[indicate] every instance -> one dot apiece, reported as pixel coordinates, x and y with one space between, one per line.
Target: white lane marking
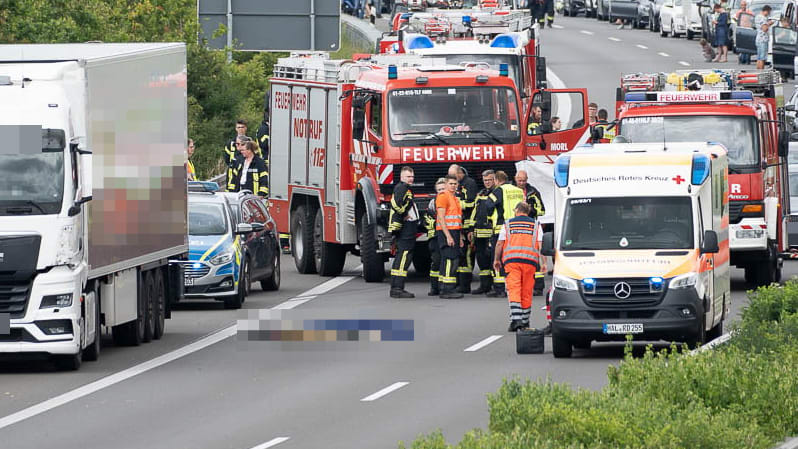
271 443
564 109
141 368
684 63
589 33
384 391
559 27
482 344
641 46
663 54
614 39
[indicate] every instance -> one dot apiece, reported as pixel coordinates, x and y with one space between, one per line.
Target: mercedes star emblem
622 290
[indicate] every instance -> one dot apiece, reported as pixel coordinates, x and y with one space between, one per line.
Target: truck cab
640 244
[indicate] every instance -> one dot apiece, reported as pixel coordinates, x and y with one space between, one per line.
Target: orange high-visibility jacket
454 213
520 242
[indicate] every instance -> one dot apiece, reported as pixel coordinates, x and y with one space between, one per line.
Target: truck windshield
206 219
736 133
512 62
453 115
628 223
31 183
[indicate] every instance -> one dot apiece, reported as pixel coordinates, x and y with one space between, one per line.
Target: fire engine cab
743 111
342 130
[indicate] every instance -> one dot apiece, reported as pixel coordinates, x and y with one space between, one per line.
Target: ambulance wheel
373 262
421 259
330 257
560 347
715 332
302 240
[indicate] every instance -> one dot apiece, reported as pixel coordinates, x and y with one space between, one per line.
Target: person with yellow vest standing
191 172
502 201
517 255
450 242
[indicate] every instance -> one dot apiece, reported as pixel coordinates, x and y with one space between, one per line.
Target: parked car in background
785 41
744 32
602 9
792 170
679 18
574 7
641 19
623 9
653 7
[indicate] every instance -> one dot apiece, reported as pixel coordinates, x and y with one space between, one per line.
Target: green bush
742 395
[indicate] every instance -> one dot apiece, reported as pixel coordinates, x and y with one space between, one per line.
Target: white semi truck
92 195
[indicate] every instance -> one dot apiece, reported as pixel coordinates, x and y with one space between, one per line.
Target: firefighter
482 232
466 192
607 128
535 201
403 223
548 7
434 252
537 9
232 153
250 172
450 241
262 136
535 121
502 202
191 172
517 255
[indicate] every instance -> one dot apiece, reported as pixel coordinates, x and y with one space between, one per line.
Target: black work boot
463 282
450 293
434 287
397 293
515 325
485 285
497 293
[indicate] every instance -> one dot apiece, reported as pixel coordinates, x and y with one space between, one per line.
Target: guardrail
791 443
359 32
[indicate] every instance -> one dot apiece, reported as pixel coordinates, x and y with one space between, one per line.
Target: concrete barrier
359 32
791 443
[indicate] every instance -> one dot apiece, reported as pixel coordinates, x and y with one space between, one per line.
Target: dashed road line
663 54
589 33
482 344
271 443
614 39
684 63
387 390
641 46
559 27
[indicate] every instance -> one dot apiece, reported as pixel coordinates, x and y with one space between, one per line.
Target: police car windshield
512 62
206 219
461 114
628 223
736 133
31 184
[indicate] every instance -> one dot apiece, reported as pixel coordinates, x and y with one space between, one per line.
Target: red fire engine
743 111
342 130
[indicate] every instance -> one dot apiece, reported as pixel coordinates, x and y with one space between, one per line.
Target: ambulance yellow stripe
600 160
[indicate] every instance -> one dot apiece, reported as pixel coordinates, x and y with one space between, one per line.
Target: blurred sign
257 25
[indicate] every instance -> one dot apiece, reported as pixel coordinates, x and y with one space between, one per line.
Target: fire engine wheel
302 240
373 263
330 257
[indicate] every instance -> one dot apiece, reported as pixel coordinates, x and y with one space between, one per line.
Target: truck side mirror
84 173
547 249
545 105
784 143
358 121
710 243
540 72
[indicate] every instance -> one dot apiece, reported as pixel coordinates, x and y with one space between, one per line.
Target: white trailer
92 194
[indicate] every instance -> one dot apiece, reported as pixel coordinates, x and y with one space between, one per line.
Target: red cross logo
679 179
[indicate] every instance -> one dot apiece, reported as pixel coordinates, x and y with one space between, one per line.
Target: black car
623 9
602 9
260 245
574 7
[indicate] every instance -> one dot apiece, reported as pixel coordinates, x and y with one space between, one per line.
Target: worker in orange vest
517 251
450 241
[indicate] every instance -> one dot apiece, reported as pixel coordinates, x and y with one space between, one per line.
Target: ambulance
640 244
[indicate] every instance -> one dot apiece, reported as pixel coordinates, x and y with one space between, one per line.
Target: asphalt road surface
202 386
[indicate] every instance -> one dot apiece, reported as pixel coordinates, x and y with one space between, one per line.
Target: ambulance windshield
494 61
452 115
736 133
628 223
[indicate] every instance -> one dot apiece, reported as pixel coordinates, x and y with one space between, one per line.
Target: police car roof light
561 166
393 72
701 168
417 42
202 186
505 41
504 69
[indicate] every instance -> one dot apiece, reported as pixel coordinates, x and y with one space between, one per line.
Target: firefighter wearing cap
517 255
607 128
502 202
482 232
450 241
434 250
466 192
535 200
403 223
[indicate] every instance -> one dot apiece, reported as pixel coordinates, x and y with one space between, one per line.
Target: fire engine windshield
512 62
628 223
453 115
737 133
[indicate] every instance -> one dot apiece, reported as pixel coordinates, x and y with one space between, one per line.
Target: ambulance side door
557 122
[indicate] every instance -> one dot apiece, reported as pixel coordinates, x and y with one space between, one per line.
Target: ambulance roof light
420 41
505 41
561 166
393 72
701 168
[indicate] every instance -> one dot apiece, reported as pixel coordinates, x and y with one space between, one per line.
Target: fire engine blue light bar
505 41
561 166
636 96
416 42
742 95
701 169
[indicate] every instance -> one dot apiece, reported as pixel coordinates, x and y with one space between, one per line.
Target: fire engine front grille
427 174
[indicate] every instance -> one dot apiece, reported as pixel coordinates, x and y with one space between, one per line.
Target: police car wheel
560 347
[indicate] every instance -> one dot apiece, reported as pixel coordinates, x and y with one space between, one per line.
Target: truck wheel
373 263
330 257
92 352
561 347
235 301
272 282
69 362
159 305
302 240
768 270
421 259
149 310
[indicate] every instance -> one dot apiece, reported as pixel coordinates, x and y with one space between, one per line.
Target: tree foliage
218 93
